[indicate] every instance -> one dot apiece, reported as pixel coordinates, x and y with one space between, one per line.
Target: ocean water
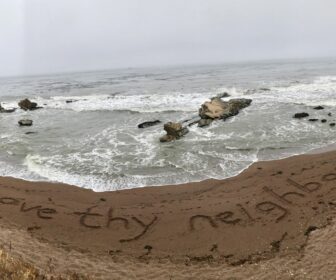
94 142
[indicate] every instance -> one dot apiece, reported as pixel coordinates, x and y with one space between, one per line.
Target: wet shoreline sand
261 223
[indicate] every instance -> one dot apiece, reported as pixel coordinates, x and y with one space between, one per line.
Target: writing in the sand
40 211
278 205
88 219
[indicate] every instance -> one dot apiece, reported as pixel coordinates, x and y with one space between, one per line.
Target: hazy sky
41 36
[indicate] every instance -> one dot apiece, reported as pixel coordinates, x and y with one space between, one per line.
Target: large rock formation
219 109
214 109
174 131
26 104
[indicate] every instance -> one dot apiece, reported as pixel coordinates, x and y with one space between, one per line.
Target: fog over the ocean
39 36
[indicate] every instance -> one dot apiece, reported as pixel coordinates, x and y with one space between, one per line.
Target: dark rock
300 115
219 109
25 122
204 122
26 104
329 114
148 124
194 122
221 95
332 124
167 138
313 120
70 101
30 132
174 131
265 89
319 108
324 121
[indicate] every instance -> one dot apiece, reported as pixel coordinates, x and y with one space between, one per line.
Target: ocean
94 142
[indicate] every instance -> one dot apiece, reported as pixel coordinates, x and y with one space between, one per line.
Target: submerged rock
25 122
332 124
174 131
70 101
219 109
301 115
30 132
313 120
204 122
221 95
26 104
3 110
324 121
148 124
319 108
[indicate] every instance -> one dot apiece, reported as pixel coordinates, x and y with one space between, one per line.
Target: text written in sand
278 205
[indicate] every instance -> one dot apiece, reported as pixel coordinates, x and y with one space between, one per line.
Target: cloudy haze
39 36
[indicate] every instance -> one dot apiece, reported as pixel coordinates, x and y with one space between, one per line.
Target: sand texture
273 221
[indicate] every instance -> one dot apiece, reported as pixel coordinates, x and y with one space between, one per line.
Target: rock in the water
319 108
3 110
313 120
148 124
332 124
301 115
204 122
167 138
329 114
30 132
174 131
221 95
324 121
219 109
26 104
25 122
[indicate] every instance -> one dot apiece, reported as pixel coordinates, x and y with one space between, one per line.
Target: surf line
281 206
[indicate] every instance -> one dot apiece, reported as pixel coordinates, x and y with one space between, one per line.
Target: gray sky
42 36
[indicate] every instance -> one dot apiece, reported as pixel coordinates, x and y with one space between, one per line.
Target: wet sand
273 221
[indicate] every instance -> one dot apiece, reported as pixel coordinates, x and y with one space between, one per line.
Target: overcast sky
42 36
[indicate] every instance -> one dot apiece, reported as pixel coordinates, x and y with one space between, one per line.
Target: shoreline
265 213
320 150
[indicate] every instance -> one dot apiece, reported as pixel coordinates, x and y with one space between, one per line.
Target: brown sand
273 221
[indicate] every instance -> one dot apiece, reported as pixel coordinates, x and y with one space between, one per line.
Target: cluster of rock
25 105
215 109
304 115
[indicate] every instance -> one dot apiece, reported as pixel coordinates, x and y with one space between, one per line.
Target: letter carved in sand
279 209
89 218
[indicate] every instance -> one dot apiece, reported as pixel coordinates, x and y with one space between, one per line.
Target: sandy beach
273 221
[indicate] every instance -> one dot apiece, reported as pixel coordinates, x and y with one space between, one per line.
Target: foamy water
94 141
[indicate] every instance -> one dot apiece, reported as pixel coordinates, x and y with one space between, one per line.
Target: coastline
266 214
